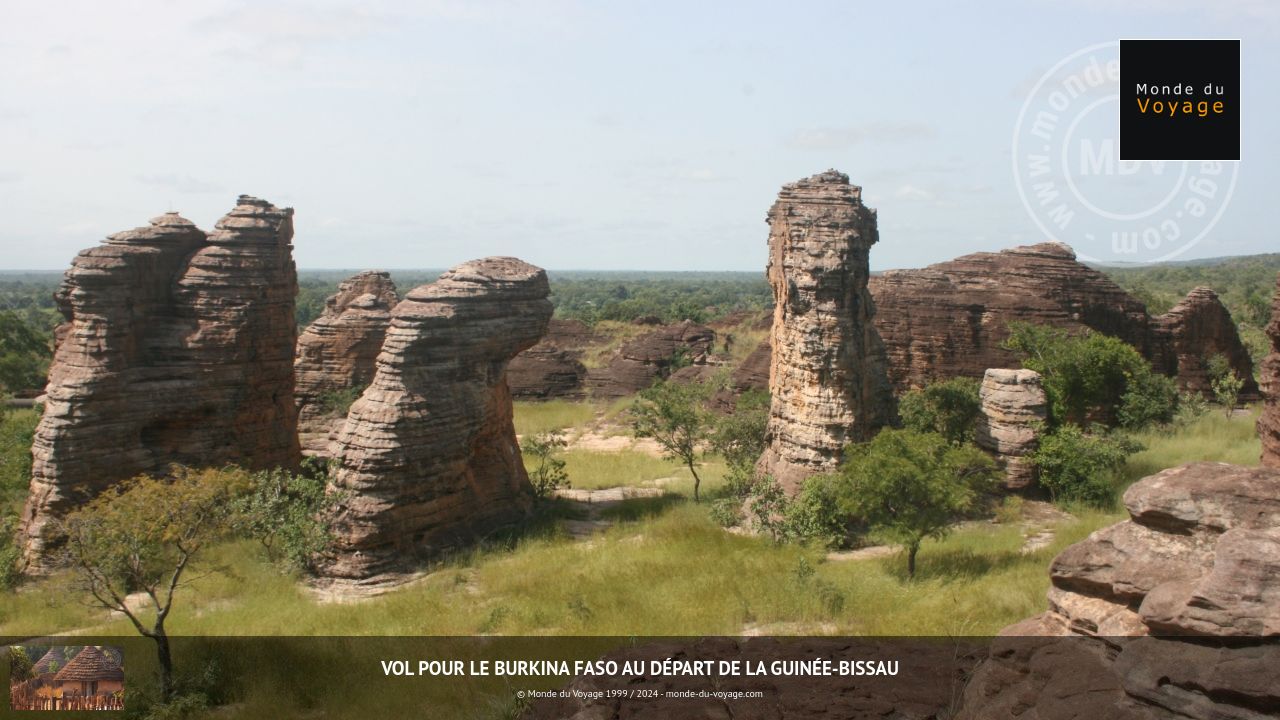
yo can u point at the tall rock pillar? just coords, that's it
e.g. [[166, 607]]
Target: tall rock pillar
[[827, 378]]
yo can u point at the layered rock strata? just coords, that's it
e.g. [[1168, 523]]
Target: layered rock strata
[[427, 458], [1012, 414], [1195, 330], [650, 357], [553, 368], [1269, 422], [1174, 613], [827, 377], [336, 354], [177, 347]]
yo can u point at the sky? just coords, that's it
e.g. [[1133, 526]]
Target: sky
[[575, 135]]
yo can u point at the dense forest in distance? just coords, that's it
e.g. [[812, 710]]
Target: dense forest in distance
[[1246, 283]]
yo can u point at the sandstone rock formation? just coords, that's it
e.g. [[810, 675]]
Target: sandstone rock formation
[[177, 348], [1269, 423], [427, 458], [650, 357], [1190, 334], [827, 380], [336, 353], [553, 368], [950, 319], [1174, 613], [1014, 407]]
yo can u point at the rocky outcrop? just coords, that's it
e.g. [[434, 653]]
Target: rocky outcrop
[[553, 368], [951, 319], [1174, 613], [427, 457], [336, 354], [1188, 336], [1013, 412], [827, 380], [1269, 422], [651, 357], [177, 347]]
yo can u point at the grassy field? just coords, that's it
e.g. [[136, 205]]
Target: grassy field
[[663, 568]]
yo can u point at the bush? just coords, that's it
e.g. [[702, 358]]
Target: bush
[[947, 407], [337, 403], [548, 472], [726, 512], [1094, 378], [814, 515], [286, 512], [1076, 466]]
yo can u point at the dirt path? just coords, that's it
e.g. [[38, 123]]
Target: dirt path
[[595, 502]]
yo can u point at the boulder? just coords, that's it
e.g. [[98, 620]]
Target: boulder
[[553, 368], [427, 458], [650, 357], [827, 379], [337, 352], [1013, 412], [1174, 613], [1188, 336], [176, 347]]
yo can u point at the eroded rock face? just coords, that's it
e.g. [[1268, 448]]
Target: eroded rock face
[[1269, 422], [1014, 408], [427, 457], [337, 352], [652, 356], [827, 378], [1190, 334], [1141, 612], [177, 348], [553, 368], [949, 319]]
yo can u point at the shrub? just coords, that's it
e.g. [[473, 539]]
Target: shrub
[[548, 472], [337, 403], [908, 486], [726, 512], [1224, 382], [676, 417], [1079, 466], [1093, 377], [10, 552], [947, 407], [814, 515], [287, 513]]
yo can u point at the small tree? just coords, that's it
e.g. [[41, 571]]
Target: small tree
[[142, 535], [947, 407], [675, 416], [548, 472], [909, 485]]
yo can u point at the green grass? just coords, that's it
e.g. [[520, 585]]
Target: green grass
[[536, 417], [1210, 437]]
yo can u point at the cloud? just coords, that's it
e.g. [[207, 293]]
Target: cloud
[[834, 138], [911, 192], [9, 176], [184, 184]]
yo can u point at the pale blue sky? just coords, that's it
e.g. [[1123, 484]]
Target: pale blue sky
[[602, 135]]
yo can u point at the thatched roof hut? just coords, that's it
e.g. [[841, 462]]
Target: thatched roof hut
[[91, 664], [45, 664]]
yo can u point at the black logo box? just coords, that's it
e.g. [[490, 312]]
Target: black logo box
[[1187, 68]]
